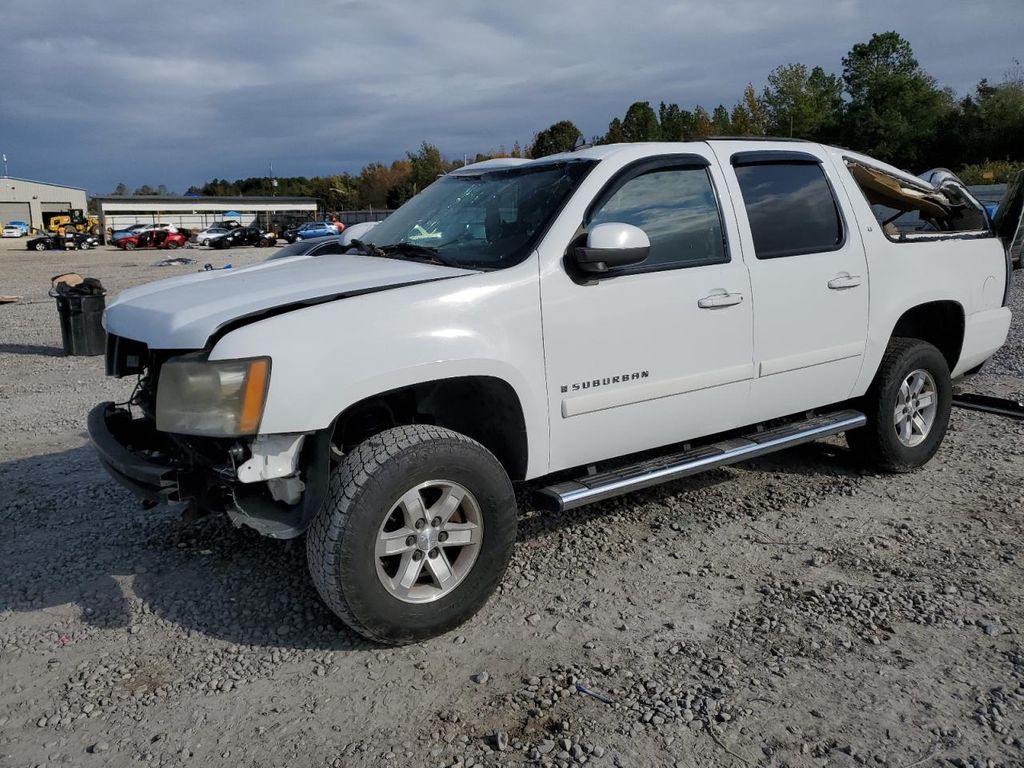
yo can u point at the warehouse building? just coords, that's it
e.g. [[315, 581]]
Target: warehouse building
[[37, 201], [197, 212]]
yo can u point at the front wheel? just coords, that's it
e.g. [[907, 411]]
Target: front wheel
[[908, 407], [415, 534], [40, 246]]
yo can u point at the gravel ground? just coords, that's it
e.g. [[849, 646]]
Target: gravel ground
[[789, 611]]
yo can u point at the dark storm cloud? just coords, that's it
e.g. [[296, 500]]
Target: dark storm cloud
[[178, 93]]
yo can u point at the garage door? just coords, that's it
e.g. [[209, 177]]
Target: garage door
[[14, 212]]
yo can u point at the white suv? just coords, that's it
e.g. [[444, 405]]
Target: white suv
[[628, 313]]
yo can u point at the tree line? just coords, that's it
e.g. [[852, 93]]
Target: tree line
[[882, 103]]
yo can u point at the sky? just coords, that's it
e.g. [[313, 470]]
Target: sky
[[184, 91]]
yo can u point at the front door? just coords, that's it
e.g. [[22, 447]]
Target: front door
[[659, 352], [809, 274]]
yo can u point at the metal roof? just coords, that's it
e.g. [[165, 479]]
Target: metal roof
[[232, 200], [44, 183]]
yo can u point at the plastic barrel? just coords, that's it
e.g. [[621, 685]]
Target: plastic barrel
[[81, 326]]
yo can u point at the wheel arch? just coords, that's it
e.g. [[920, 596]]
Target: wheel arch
[[941, 323], [483, 407]]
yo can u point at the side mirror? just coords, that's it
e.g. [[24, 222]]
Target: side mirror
[[612, 245]]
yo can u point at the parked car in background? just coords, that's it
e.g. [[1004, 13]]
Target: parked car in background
[[16, 228], [241, 236], [252, 236], [55, 241], [321, 246], [43, 243], [204, 236], [153, 238], [312, 229], [137, 229], [318, 229], [291, 233]]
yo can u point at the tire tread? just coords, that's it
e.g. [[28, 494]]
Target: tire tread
[[347, 482]]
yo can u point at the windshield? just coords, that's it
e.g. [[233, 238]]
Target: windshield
[[486, 220]]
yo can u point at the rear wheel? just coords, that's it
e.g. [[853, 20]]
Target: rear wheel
[[172, 245], [415, 534], [907, 406]]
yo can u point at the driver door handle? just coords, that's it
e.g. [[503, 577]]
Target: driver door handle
[[719, 300], [844, 281]]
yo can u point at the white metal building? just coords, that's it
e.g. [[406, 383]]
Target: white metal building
[[186, 212], [32, 201]]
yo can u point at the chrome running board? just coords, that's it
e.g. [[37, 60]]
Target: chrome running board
[[662, 469]]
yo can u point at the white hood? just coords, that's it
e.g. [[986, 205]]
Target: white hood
[[183, 312]]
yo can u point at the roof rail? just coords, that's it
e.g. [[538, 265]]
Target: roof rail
[[755, 138]]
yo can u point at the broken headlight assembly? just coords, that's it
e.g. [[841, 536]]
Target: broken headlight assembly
[[212, 398]]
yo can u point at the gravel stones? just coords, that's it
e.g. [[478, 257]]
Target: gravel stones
[[793, 603]]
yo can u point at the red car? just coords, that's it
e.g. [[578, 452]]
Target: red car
[[156, 238]]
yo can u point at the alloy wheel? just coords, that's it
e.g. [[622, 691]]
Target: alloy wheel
[[428, 541], [916, 407]]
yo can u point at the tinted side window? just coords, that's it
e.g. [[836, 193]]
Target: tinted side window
[[677, 209], [791, 209]]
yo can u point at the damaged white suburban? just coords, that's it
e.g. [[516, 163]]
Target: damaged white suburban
[[593, 322]]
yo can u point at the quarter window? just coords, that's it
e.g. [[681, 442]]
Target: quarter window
[[677, 209], [790, 208]]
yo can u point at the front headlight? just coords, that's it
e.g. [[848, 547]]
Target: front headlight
[[215, 398]]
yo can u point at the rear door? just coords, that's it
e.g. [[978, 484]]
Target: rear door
[[808, 275]]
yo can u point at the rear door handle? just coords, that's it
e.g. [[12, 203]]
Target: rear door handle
[[842, 282], [719, 300]]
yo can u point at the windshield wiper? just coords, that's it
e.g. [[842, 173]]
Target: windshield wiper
[[411, 249], [367, 247]]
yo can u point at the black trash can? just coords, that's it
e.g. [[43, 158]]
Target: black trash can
[[81, 326]]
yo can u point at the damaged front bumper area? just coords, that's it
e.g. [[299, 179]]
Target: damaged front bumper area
[[274, 484]]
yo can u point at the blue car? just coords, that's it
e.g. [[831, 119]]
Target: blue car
[[316, 229]]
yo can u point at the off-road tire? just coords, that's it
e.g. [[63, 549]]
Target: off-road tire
[[364, 487], [876, 444]]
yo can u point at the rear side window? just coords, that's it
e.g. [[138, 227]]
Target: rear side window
[[677, 209], [791, 209]]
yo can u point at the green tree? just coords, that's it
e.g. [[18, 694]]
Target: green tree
[[558, 137], [802, 104], [614, 135], [640, 123], [120, 190], [1001, 114], [676, 123], [701, 123], [720, 125], [748, 117], [895, 107]]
